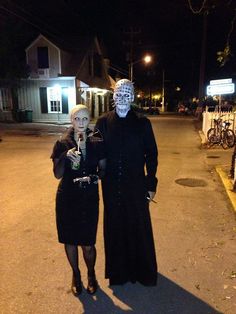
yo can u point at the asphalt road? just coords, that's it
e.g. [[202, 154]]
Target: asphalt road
[[193, 224]]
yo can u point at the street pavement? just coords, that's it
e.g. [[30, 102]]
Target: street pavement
[[36, 129], [40, 129], [194, 230]]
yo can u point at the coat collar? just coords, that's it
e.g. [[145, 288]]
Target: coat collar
[[70, 135]]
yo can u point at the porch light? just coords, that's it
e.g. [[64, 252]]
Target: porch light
[[98, 91]]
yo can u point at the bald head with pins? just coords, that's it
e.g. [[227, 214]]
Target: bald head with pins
[[123, 97]]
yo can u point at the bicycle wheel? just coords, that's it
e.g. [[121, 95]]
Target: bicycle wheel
[[211, 132], [213, 139], [230, 138], [223, 142]]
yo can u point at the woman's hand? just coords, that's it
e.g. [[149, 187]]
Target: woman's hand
[[73, 155]]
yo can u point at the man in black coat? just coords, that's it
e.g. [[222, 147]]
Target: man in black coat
[[127, 190]]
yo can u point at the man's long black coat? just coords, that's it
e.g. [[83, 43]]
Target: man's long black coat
[[129, 247]]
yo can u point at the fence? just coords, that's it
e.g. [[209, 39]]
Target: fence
[[208, 120]]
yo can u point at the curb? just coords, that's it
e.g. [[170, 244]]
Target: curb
[[203, 138], [223, 174], [228, 184]]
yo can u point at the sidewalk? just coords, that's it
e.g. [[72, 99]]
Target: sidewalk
[[223, 172]]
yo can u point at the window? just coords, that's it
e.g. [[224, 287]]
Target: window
[[43, 57], [5, 99], [54, 99]]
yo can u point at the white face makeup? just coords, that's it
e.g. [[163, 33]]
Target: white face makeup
[[80, 120], [123, 97]]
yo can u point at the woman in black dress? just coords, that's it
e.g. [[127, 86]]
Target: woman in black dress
[[78, 160]]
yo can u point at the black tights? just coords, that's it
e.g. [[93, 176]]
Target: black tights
[[89, 254]]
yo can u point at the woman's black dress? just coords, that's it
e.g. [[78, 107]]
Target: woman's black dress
[[77, 205]]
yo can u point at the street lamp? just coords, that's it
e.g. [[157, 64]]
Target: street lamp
[[146, 59]]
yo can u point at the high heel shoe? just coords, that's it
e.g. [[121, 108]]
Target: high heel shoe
[[76, 285], [92, 285]]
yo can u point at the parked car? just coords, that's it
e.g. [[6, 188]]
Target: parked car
[[153, 111], [146, 110]]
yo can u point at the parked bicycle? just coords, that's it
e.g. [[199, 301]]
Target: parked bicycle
[[221, 134]]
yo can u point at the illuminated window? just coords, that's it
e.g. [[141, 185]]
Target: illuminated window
[[54, 99]]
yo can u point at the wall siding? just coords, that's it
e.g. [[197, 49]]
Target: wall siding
[[53, 53], [29, 99]]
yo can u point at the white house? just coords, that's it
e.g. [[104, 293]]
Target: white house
[[63, 73]]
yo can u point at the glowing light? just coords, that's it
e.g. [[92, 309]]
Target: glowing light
[[98, 91], [57, 88], [54, 93], [94, 89], [147, 59], [220, 89], [65, 91]]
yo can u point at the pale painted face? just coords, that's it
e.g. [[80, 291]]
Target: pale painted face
[[123, 97], [80, 120]]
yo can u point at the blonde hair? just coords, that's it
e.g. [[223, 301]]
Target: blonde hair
[[77, 108]]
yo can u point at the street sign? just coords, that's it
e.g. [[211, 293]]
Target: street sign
[[220, 89], [222, 81]]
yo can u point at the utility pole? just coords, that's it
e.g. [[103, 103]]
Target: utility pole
[[130, 43], [163, 91], [201, 92]]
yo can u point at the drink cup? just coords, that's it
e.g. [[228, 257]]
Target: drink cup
[[76, 165]]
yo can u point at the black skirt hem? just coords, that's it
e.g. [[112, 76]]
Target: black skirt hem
[[147, 282], [77, 243]]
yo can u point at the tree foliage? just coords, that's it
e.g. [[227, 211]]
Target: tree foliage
[[229, 6]]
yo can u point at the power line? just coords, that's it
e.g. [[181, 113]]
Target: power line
[[31, 15], [22, 18], [116, 68], [41, 29]]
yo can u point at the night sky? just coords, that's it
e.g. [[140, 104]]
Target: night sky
[[168, 29]]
